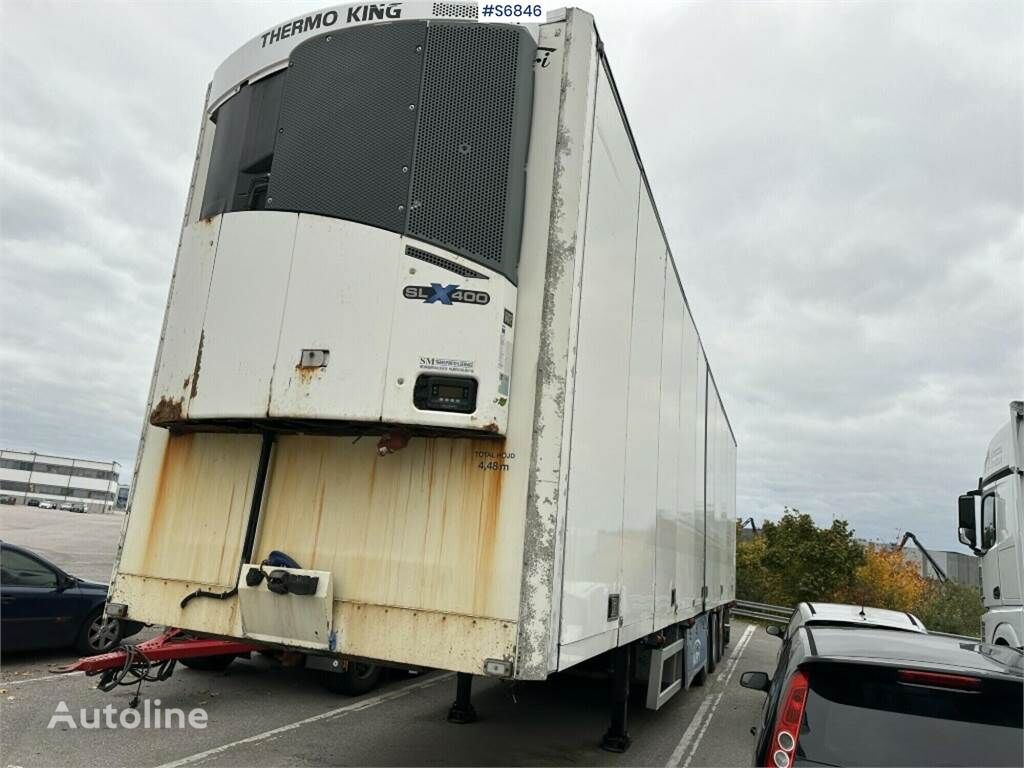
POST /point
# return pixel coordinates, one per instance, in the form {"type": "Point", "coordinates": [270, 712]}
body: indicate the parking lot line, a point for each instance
{"type": "Point", "coordinates": [355, 706]}
{"type": "Point", "coordinates": [43, 679]}
{"type": "Point", "coordinates": [699, 724]}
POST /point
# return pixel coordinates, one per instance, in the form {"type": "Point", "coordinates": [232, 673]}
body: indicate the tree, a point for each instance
{"type": "Point", "coordinates": [953, 608]}
{"type": "Point", "coordinates": [803, 562]}
{"type": "Point", "coordinates": [751, 575]}
{"type": "Point", "coordinates": [886, 579]}
{"type": "Point", "coordinates": [795, 561]}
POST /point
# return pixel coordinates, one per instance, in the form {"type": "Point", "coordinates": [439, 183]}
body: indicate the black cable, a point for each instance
{"type": "Point", "coordinates": [206, 593]}
{"type": "Point", "coordinates": [135, 671]}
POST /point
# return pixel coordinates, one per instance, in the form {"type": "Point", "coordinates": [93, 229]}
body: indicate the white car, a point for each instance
{"type": "Point", "coordinates": [840, 615]}
{"type": "Point", "coordinates": [47, 505]}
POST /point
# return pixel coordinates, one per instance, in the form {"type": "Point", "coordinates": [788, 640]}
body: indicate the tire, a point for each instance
{"type": "Point", "coordinates": [712, 643]}
{"type": "Point", "coordinates": [360, 677]}
{"type": "Point", "coordinates": [720, 637]}
{"type": "Point", "coordinates": [700, 678]}
{"type": "Point", "coordinates": [99, 634]}
{"type": "Point", "coordinates": [209, 663]}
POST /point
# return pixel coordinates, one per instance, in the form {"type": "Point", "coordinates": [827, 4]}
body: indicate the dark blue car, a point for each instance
{"type": "Point", "coordinates": [44, 607]}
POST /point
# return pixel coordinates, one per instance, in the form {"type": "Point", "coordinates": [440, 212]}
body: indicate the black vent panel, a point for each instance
{"type": "Point", "coordinates": [457, 10]}
{"type": "Point", "coordinates": [348, 125]}
{"type": "Point", "coordinates": [469, 166]}
{"type": "Point", "coordinates": [443, 263]}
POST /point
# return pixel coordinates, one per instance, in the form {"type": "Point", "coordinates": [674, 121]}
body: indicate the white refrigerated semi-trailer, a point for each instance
{"type": "Point", "coordinates": [425, 336]}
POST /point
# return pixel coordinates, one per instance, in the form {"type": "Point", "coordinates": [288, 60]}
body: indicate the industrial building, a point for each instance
{"type": "Point", "coordinates": [38, 479]}
{"type": "Point", "coordinates": [959, 567]}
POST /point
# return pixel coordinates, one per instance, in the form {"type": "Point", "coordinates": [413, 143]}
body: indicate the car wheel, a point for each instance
{"type": "Point", "coordinates": [360, 677]}
{"type": "Point", "coordinates": [209, 663]}
{"type": "Point", "coordinates": [99, 634]}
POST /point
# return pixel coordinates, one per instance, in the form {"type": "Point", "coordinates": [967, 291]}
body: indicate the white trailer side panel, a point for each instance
{"type": "Point", "coordinates": [713, 540]}
{"type": "Point", "coordinates": [639, 516]}
{"type": "Point", "coordinates": [721, 580]}
{"type": "Point", "coordinates": [700, 480]}
{"type": "Point", "coordinates": [668, 454]}
{"type": "Point", "coordinates": [689, 537]}
{"type": "Point", "coordinates": [597, 470]}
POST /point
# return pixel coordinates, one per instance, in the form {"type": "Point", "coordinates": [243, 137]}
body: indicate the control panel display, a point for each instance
{"type": "Point", "coordinates": [445, 393]}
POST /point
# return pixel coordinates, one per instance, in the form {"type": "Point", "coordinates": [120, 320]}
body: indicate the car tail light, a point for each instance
{"type": "Point", "coordinates": [782, 747]}
{"type": "Point", "coordinates": [939, 680]}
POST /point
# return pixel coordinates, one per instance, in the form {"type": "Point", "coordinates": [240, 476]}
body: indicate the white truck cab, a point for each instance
{"type": "Point", "coordinates": [999, 499]}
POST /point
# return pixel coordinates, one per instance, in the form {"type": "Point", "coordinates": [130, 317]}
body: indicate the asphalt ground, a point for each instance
{"type": "Point", "coordinates": [84, 545]}
{"type": "Point", "coordinates": [258, 713]}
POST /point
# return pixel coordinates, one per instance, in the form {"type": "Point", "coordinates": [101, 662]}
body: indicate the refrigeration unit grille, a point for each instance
{"type": "Point", "coordinates": [341, 150]}
{"type": "Point", "coordinates": [457, 10]}
{"type": "Point", "coordinates": [461, 170]}
{"type": "Point", "coordinates": [440, 261]}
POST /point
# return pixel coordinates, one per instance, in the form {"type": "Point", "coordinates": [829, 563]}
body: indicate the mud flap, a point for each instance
{"type": "Point", "coordinates": [695, 654]}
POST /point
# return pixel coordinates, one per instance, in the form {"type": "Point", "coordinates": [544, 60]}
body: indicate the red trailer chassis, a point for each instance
{"type": "Point", "coordinates": [173, 644]}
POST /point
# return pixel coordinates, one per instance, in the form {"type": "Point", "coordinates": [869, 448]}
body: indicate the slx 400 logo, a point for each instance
{"type": "Point", "coordinates": [435, 293]}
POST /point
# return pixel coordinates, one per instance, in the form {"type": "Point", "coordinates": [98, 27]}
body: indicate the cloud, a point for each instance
{"type": "Point", "coordinates": [841, 185]}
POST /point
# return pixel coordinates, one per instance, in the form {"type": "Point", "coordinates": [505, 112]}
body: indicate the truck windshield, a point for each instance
{"type": "Point", "coordinates": [862, 715]}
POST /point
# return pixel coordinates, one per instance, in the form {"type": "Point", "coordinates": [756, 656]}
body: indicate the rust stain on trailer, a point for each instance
{"type": "Point", "coordinates": [490, 509]}
{"type": "Point", "coordinates": [307, 373]}
{"type": "Point", "coordinates": [176, 453]}
{"type": "Point", "coordinates": [418, 529]}
{"type": "Point", "coordinates": [167, 411]}
{"type": "Point", "coordinates": [199, 507]}
{"type": "Point", "coordinates": [199, 362]}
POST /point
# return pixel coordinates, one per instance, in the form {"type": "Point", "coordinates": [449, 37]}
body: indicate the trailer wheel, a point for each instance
{"type": "Point", "coordinates": [360, 677]}
{"type": "Point", "coordinates": [209, 663]}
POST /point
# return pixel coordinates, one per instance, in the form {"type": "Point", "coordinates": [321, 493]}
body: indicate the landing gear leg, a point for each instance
{"type": "Point", "coordinates": [462, 711]}
{"type": "Point", "coordinates": [616, 738]}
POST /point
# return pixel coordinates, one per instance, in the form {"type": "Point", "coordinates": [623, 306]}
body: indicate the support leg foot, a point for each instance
{"type": "Point", "coordinates": [462, 711]}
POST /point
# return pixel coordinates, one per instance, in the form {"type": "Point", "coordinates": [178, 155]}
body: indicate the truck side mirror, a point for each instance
{"type": "Point", "coordinates": [757, 681]}
{"type": "Point", "coordinates": [967, 529]}
{"type": "Point", "coordinates": [774, 630]}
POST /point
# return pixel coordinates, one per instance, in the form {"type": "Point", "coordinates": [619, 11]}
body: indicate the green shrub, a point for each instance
{"type": "Point", "coordinates": [953, 608]}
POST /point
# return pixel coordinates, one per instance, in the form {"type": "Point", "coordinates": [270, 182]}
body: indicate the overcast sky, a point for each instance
{"type": "Point", "coordinates": [841, 184]}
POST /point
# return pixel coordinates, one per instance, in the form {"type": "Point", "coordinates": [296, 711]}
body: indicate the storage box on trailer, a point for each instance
{"type": "Point", "coordinates": [425, 336]}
